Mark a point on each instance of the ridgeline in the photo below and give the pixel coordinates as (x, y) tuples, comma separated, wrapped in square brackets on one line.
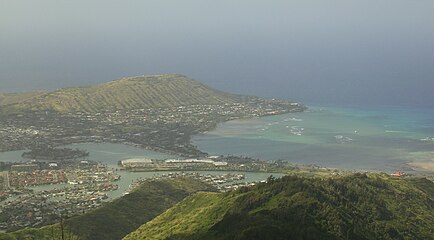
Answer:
[(356, 206), (352, 207), (157, 91)]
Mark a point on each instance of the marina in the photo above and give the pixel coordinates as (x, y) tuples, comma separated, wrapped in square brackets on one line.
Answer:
[(73, 192)]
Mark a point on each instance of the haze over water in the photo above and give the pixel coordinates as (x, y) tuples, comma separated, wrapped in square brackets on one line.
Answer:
[(379, 138), (339, 51)]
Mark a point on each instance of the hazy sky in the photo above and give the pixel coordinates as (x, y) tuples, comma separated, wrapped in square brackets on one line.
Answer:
[(318, 51)]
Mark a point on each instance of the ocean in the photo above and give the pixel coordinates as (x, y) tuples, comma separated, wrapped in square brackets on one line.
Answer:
[(380, 138)]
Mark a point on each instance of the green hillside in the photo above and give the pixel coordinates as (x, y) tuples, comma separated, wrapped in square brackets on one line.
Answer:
[(128, 93), (358, 206), (122, 216), (196, 214), (352, 207)]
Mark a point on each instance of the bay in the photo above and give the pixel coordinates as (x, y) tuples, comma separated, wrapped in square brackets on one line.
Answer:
[(365, 138)]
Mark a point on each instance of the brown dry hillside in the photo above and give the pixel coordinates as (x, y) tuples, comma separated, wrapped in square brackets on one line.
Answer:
[(13, 98), (128, 93)]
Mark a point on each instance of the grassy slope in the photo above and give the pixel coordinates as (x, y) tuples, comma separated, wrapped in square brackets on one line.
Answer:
[(129, 93), (353, 207), (13, 98), (195, 214), (116, 219)]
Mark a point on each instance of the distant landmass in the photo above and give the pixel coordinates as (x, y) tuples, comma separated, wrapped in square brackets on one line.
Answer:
[(159, 112), (157, 91)]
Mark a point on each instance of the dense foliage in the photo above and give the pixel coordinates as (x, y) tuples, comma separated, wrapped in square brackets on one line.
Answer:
[(353, 207), (50, 153)]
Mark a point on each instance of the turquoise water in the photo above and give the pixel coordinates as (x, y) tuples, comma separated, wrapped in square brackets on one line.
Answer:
[(381, 138)]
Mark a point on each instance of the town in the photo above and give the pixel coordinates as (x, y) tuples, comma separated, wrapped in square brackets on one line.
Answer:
[(79, 185), (39, 208), (70, 188), (210, 163), (161, 129), (24, 207), (76, 189)]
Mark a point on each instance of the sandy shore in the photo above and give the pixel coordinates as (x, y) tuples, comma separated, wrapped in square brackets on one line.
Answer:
[(426, 165)]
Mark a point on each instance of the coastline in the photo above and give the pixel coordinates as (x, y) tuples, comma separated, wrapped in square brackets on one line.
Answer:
[(414, 163), (422, 166), (381, 142)]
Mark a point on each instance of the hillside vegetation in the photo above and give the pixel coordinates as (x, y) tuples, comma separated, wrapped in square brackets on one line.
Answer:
[(358, 206), (122, 216), (158, 91), (352, 207)]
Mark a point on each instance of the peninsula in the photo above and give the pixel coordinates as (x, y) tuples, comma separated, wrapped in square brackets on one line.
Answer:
[(159, 112)]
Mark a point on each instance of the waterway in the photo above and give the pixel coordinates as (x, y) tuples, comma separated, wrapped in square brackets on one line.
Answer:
[(110, 154)]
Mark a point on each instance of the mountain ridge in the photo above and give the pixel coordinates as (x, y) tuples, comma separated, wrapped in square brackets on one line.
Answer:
[(357, 206), (152, 91)]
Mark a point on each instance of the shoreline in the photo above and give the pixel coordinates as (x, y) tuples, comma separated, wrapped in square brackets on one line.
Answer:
[(197, 153), (417, 166), (422, 166)]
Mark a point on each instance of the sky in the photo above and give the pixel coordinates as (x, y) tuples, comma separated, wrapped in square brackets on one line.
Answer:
[(315, 51)]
